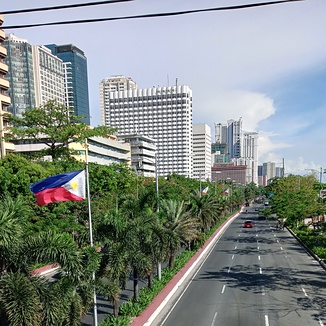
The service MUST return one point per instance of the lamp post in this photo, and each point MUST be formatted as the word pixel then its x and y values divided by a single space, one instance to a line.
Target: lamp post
pixel 159 265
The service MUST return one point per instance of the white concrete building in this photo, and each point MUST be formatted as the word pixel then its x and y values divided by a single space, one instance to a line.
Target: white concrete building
pixel 250 155
pixel 48 76
pixel 162 113
pixel 143 154
pixel 202 159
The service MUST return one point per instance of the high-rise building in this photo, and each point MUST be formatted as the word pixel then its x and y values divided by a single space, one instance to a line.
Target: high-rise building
pixel 20 74
pixel 234 137
pixel 250 155
pixel 202 143
pixel 48 76
pixel 76 81
pixel 5 147
pixel 163 113
pixel 220 133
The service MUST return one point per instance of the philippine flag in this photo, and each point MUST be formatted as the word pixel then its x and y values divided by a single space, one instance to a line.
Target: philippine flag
pixel 61 187
pixel 204 191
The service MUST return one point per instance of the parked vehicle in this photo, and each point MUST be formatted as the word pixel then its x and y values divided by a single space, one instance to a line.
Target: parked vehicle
pixel 247 224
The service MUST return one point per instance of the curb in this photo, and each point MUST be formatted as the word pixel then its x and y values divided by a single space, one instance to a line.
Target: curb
pixel 156 306
pixel 45 269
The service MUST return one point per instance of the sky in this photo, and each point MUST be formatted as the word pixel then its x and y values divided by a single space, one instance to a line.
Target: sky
pixel 266 64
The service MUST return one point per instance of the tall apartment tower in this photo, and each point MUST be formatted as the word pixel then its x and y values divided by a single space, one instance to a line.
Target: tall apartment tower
pixel 202 159
pixel 250 154
pixel 269 169
pixel 163 113
pixel 76 79
pixel 5 147
pixel 234 137
pixel 20 74
pixel 220 133
pixel 48 76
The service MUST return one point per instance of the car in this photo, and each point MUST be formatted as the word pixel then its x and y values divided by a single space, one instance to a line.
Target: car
pixel 247 224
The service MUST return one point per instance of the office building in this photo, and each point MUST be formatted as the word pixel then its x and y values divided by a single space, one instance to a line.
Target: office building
pixel 250 156
pixel 202 157
pixel 48 76
pixel 76 78
pixel 162 113
pixel 5 147
pixel 20 74
pixel 143 154
pixel 234 138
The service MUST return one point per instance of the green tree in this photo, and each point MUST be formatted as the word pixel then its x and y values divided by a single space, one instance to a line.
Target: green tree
pixel 180 227
pixel 55 126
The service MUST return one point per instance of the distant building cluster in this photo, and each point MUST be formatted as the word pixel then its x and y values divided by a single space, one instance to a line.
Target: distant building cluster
pixel 155 130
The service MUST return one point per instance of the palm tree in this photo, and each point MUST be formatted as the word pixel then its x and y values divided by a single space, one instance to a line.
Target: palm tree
pixel 180 227
pixel 26 299
pixel 206 209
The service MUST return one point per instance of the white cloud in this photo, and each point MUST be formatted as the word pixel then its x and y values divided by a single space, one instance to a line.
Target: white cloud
pixel 233 104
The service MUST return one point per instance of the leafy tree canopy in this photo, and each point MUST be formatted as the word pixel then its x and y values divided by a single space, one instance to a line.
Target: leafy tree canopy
pixel 54 125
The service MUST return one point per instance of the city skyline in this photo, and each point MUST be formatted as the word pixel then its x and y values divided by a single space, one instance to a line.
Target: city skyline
pixel 251 63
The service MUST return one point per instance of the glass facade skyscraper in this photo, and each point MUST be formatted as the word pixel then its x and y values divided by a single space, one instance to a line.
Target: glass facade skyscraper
pixel 20 74
pixel 76 79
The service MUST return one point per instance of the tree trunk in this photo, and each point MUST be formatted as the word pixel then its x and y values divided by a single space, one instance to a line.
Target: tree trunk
pixel 171 261
pixel 136 286
pixel 115 309
pixel 150 280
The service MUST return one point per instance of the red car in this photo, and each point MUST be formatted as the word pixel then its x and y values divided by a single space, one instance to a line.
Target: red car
pixel 247 224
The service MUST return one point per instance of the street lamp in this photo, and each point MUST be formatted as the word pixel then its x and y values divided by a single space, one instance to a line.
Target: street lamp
pixel 159 265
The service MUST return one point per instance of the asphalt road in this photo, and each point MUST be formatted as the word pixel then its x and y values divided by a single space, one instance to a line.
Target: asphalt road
pixel 251 277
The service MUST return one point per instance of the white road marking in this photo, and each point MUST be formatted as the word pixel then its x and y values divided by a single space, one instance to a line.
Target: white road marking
pixel 223 289
pixel 304 291
pixel 262 290
pixel 258 248
pixel 258 257
pixel 281 248
pixel 235 247
pixel 256 235
pixel 229 269
pixel 232 256
pixel 260 271
pixel 266 320
pixel 274 235
pixel 278 241
pixel 320 322
pixel 213 321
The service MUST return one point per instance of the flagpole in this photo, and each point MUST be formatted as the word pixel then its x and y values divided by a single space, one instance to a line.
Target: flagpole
pixel 90 231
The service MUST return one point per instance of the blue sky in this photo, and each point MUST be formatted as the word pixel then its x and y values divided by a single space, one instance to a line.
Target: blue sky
pixel 266 65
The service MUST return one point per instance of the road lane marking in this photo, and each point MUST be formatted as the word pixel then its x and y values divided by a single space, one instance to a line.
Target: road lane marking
pixel 281 248
pixel 274 235
pixel 258 248
pixel 232 256
pixel 304 291
pixel 229 269
pixel 262 290
pixel 258 257
pixel 278 241
pixel 266 320
pixel 256 235
pixel 235 247
pixel 320 322
pixel 214 318
pixel 223 289
pixel 260 271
